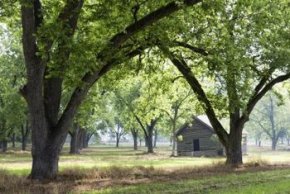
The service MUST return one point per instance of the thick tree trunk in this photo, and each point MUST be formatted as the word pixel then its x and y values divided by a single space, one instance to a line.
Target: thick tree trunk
pixel 135 138
pixel 45 157
pixel 23 143
pixel 45 164
pixel 149 135
pixel 274 144
pixel 136 143
pixel 4 145
pixel 149 143
pixel 80 142
pixel 86 139
pixel 24 136
pixel 74 145
pixel 234 148
pixel 117 140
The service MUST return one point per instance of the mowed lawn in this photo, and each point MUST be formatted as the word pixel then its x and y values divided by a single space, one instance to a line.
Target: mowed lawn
pixel 128 171
pixel 267 182
pixel 18 162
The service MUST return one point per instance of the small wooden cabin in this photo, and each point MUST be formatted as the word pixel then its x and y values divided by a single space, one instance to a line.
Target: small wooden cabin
pixel 198 139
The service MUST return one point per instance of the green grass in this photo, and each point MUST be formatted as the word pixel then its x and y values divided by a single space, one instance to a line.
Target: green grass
pixel 103 157
pixel 106 160
pixel 269 182
pixel 100 157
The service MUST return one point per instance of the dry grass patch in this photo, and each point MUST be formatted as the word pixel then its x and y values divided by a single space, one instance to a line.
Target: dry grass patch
pixel 80 180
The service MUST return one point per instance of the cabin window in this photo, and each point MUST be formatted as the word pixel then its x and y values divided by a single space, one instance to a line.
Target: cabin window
pixel 196 146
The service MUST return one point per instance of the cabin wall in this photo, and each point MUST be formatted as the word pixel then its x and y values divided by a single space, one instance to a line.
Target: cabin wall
pixel 209 146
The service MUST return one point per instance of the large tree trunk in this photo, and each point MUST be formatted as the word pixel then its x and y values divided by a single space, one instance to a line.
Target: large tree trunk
pixel 74 141
pixel 135 138
pixel 234 148
pixel 149 143
pixel 80 141
pixel 45 163
pixel 4 145
pixel 117 140
pixel 86 138
pixel 274 143
pixel 149 135
pixel 24 135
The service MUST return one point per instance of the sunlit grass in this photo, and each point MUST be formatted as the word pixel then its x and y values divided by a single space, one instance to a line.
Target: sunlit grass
pixel 20 163
pixel 246 183
pixel 17 162
pixel 110 165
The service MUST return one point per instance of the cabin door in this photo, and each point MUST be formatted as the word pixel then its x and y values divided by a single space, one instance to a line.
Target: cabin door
pixel 196 146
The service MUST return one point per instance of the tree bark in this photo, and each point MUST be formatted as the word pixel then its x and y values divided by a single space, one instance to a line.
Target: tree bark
pixel 13 140
pixel 149 135
pixel 274 143
pixel 24 135
pixel 234 146
pixel 87 139
pixel 45 164
pixel 135 138
pixel 155 138
pixel 80 138
pixel 149 143
pixel 117 140
pixel 74 145
pixel 4 145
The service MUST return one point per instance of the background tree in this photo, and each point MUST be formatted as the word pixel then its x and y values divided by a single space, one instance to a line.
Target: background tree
pixel 13 110
pixel 271 117
pixel 233 47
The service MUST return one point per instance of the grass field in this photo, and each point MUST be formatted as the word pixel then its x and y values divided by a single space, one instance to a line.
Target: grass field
pixel 111 170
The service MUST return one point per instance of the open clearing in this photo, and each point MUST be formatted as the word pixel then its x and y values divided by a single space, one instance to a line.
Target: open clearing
pixel 122 170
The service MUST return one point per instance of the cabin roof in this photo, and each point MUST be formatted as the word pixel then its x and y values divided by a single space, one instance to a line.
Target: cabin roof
pixel 202 119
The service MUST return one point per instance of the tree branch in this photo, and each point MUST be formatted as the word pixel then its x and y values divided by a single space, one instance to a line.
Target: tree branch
pixel 53 86
pixel 108 58
pixel 182 66
pixel 258 94
pixel 192 48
